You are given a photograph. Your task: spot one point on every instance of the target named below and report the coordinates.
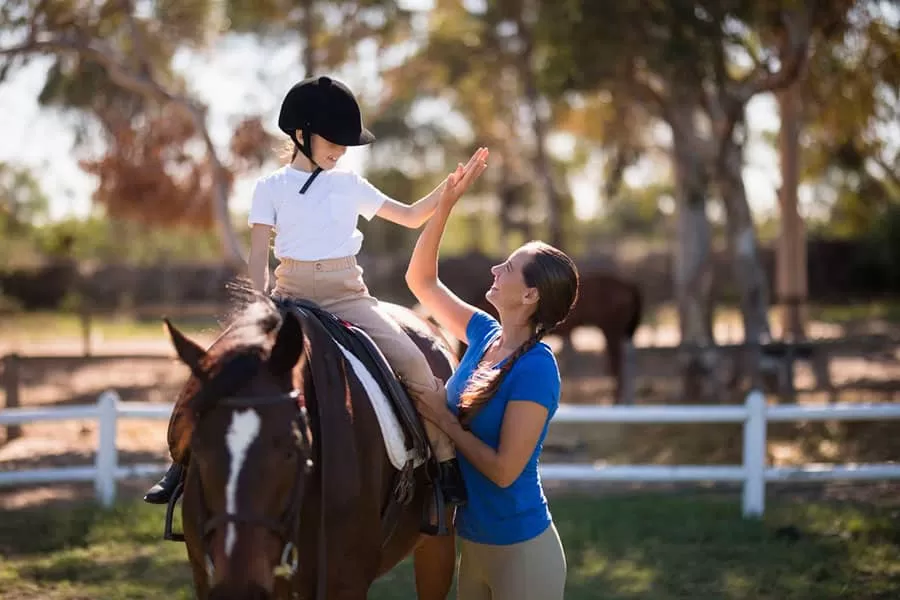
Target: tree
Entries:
(678, 60)
(647, 54)
(22, 201)
(849, 100)
(114, 62)
(481, 63)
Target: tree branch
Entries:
(727, 107)
(105, 56)
(794, 36)
(889, 172)
(645, 92)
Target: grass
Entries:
(648, 546)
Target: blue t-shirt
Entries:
(496, 515)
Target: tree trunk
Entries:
(693, 273)
(539, 128)
(309, 31)
(748, 271)
(232, 250)
(791, 253)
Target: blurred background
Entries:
(725, 173)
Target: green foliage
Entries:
(638, 211)
(22, 201)
(851, 103)
(101, 239)
(453, 78)
(884, 248)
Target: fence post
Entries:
(755, 455)
(11, 386)
(106, 462)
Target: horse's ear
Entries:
(188, 351)
(288, 345)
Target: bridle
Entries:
(287, 526)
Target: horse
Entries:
(289, 490)
(606, 300)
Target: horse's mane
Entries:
(240, 350)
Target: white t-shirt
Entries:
(320, 224)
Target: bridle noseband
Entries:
(287, 526)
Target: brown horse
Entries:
(606, 300)
(289, 494)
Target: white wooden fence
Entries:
(754, 414)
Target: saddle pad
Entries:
(391, 432)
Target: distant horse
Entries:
(606, 300)
(290, 494)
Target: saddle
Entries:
(357, 342)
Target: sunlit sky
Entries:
(236, 78)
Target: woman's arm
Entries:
(451, 312)
(523, 422)
(258, 263)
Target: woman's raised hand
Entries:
(459, 180)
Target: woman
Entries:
(497, 407)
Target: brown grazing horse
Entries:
(286, 492)
(606, 300)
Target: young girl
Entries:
(313, 209)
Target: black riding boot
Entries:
(162, 491)
(452, 485)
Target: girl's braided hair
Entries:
(555, 276)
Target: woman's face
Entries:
(509, 290)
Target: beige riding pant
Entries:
(337, 286)
(531, 570)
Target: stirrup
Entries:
(440, 508)
(168, 534)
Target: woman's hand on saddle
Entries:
(459, 180)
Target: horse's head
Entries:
(251, 450)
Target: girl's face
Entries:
(325, 154)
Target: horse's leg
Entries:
(614, 356)
(197, 560)
(434, 560)
(191, 517)
(201, 584)
(567, 353)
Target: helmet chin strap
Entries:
(306, 149)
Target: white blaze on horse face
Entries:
(243, 430)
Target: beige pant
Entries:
(531, 570)
(337, 286)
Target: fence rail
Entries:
(754, 414)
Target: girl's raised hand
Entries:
(459, 180)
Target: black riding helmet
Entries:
(326, 107)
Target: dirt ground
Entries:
(57, 380)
